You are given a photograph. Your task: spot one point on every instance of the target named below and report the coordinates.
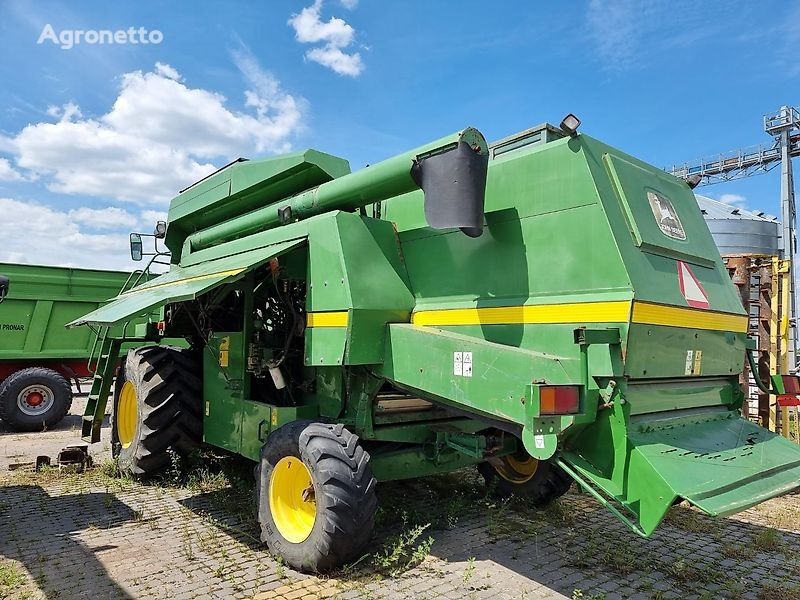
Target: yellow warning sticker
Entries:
(698, 362)
(224, 347)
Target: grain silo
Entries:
(749, 244)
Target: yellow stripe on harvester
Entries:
(327, 319)
(580, 312)
(222, 274)
(618, 311)
(676, 316)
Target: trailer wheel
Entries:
(540, 481)
(315, 495)
(34, 399)
(157, 408)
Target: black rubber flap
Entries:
(454, 184)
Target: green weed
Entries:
(403, 551)
(469, 571)
(768, 540)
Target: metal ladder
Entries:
(102, 363)
(106, 364)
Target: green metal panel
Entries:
(182, 283)
(663, 351)
(223, 389)
(325, 346)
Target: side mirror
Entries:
(136, 247)
(5, 284)
(161, 230)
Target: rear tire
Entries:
(315, 496)
(540, 481)
(34, 399)
(157, 408)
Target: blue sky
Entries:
(95, 139)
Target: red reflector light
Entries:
(791, 384)
(558, 400)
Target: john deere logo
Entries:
(666, 216)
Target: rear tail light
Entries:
(558, 400)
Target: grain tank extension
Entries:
(547, 308)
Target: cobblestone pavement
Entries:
(94, 536)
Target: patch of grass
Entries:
(403, 551)
(736, 551)
(559, 514)
(689, 520)
(499, 521)
(688, 574)
(771, 591)
(767, 540)
(11, 578)
(612, 553)
(577, 594)
(734, 589)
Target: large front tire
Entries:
(157, 408)
(316, 496)
(540, 481)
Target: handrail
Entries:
(754, 370)
(102, 333)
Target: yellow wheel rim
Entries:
(291, 499)
(127, 415)
(517, 469)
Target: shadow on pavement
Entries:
(42, 532)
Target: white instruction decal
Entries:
(462, 364)
(689, 362)
(538, 440)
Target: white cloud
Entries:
(103, 218)
(613, 29)
(335, 34)
(149, 218)
(733, 200)
(159, 136)
(167, 71)
(61, 240)
(334, 58)
(66, 112)
(7, 172)
(625, 32)
(309, 28)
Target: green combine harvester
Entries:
(547, 308)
